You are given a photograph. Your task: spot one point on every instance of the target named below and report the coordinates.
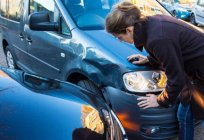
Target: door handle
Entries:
(29, 40)
(21, 36)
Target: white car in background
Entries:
(197, 16)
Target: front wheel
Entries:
(193, 20)
(10, 60)
(90, 86)
(174, 13)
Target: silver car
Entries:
(197, 16)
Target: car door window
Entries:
(50, 7)
(64, 28)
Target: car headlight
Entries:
(145, 81)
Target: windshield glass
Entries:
(90, 14)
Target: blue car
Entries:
(181, 9)
(66, 40)
(37, 108)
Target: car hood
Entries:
(121, 50)
(27, 112)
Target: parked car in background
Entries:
(66, 40)
(181, 9)
(37, 108)
(149, 7)
(197, 16)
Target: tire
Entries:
(193, 20)
(174, 13)
(90, 86)
(11, 63)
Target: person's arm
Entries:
(170, 57)
(152, 62)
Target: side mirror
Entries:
(41, 22)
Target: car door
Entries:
(199, 10)
(44, 47)
(202, 13)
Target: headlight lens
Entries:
(145, 81)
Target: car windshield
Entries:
(90, 14)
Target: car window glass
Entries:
(43, 6)
(91, 14)
(65, 29)
(49, 6)
(11, 9)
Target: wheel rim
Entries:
(193, 19)
(10, 60)
(174, 14)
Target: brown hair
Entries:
(123, 15)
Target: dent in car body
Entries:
(101, 62)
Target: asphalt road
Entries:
(199, 131)
(2, 58)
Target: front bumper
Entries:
(159, 123)
(153, 124)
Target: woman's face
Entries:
(126, 37)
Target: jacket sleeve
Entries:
(152, 61)
(169, 55)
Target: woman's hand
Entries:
(149, 101)
(141, 59)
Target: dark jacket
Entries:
(177, 46)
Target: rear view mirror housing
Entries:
(40, 21)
